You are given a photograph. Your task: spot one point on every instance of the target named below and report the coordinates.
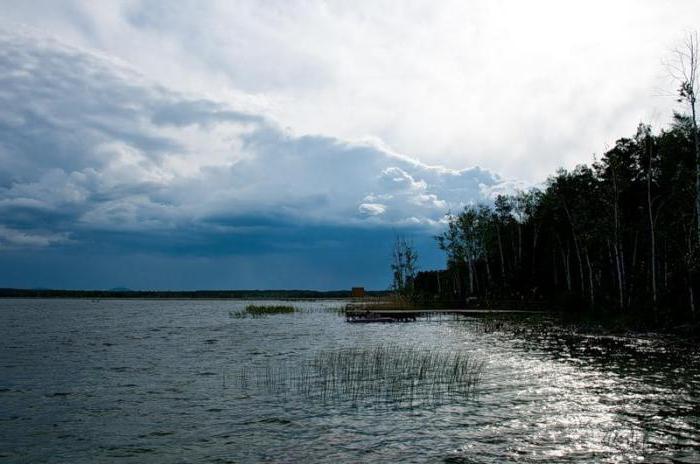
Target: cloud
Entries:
(88, 145)
(19, 239)
(372, 209)
(521, 88)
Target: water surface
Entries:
(158, 381)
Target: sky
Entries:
(283, 144)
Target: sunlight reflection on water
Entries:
(157, 381)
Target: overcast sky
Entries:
(223, 144)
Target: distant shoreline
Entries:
(184, 295)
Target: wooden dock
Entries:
(366, 316)
(359, 315)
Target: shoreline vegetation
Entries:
(617, 240)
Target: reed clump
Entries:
(376, 375)
(267, 310)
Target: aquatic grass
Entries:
(376, 375)
(262, 311)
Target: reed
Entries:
(264, 310)
(373, 376)
(253, 310)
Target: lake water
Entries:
(160, 381)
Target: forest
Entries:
(618, 235)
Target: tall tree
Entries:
(684, 70)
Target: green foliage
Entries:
(617, 235)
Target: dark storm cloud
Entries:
(94, 157)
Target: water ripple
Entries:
(156, 381)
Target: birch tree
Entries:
(683, 68)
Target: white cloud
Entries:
(517, 87)
(90, 144)
(372, 209)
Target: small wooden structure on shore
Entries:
(357, 292)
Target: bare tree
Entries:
(403, 265)
(683, 68)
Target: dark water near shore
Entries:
(157, 381)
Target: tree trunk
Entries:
(652, 231)
(500, 251)
(457, 282)
(665, 266)
(691, 299)
(696, 144)
(566, 262)
(535, 232)
(619, 256)
(488, 270)
(631, 289)
(620, 277)
(689, 268)
(565, 258)
(590, 278)
(520, 245)
(615, 262)
(471, 276)
(577, 248)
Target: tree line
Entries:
(618, 234)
